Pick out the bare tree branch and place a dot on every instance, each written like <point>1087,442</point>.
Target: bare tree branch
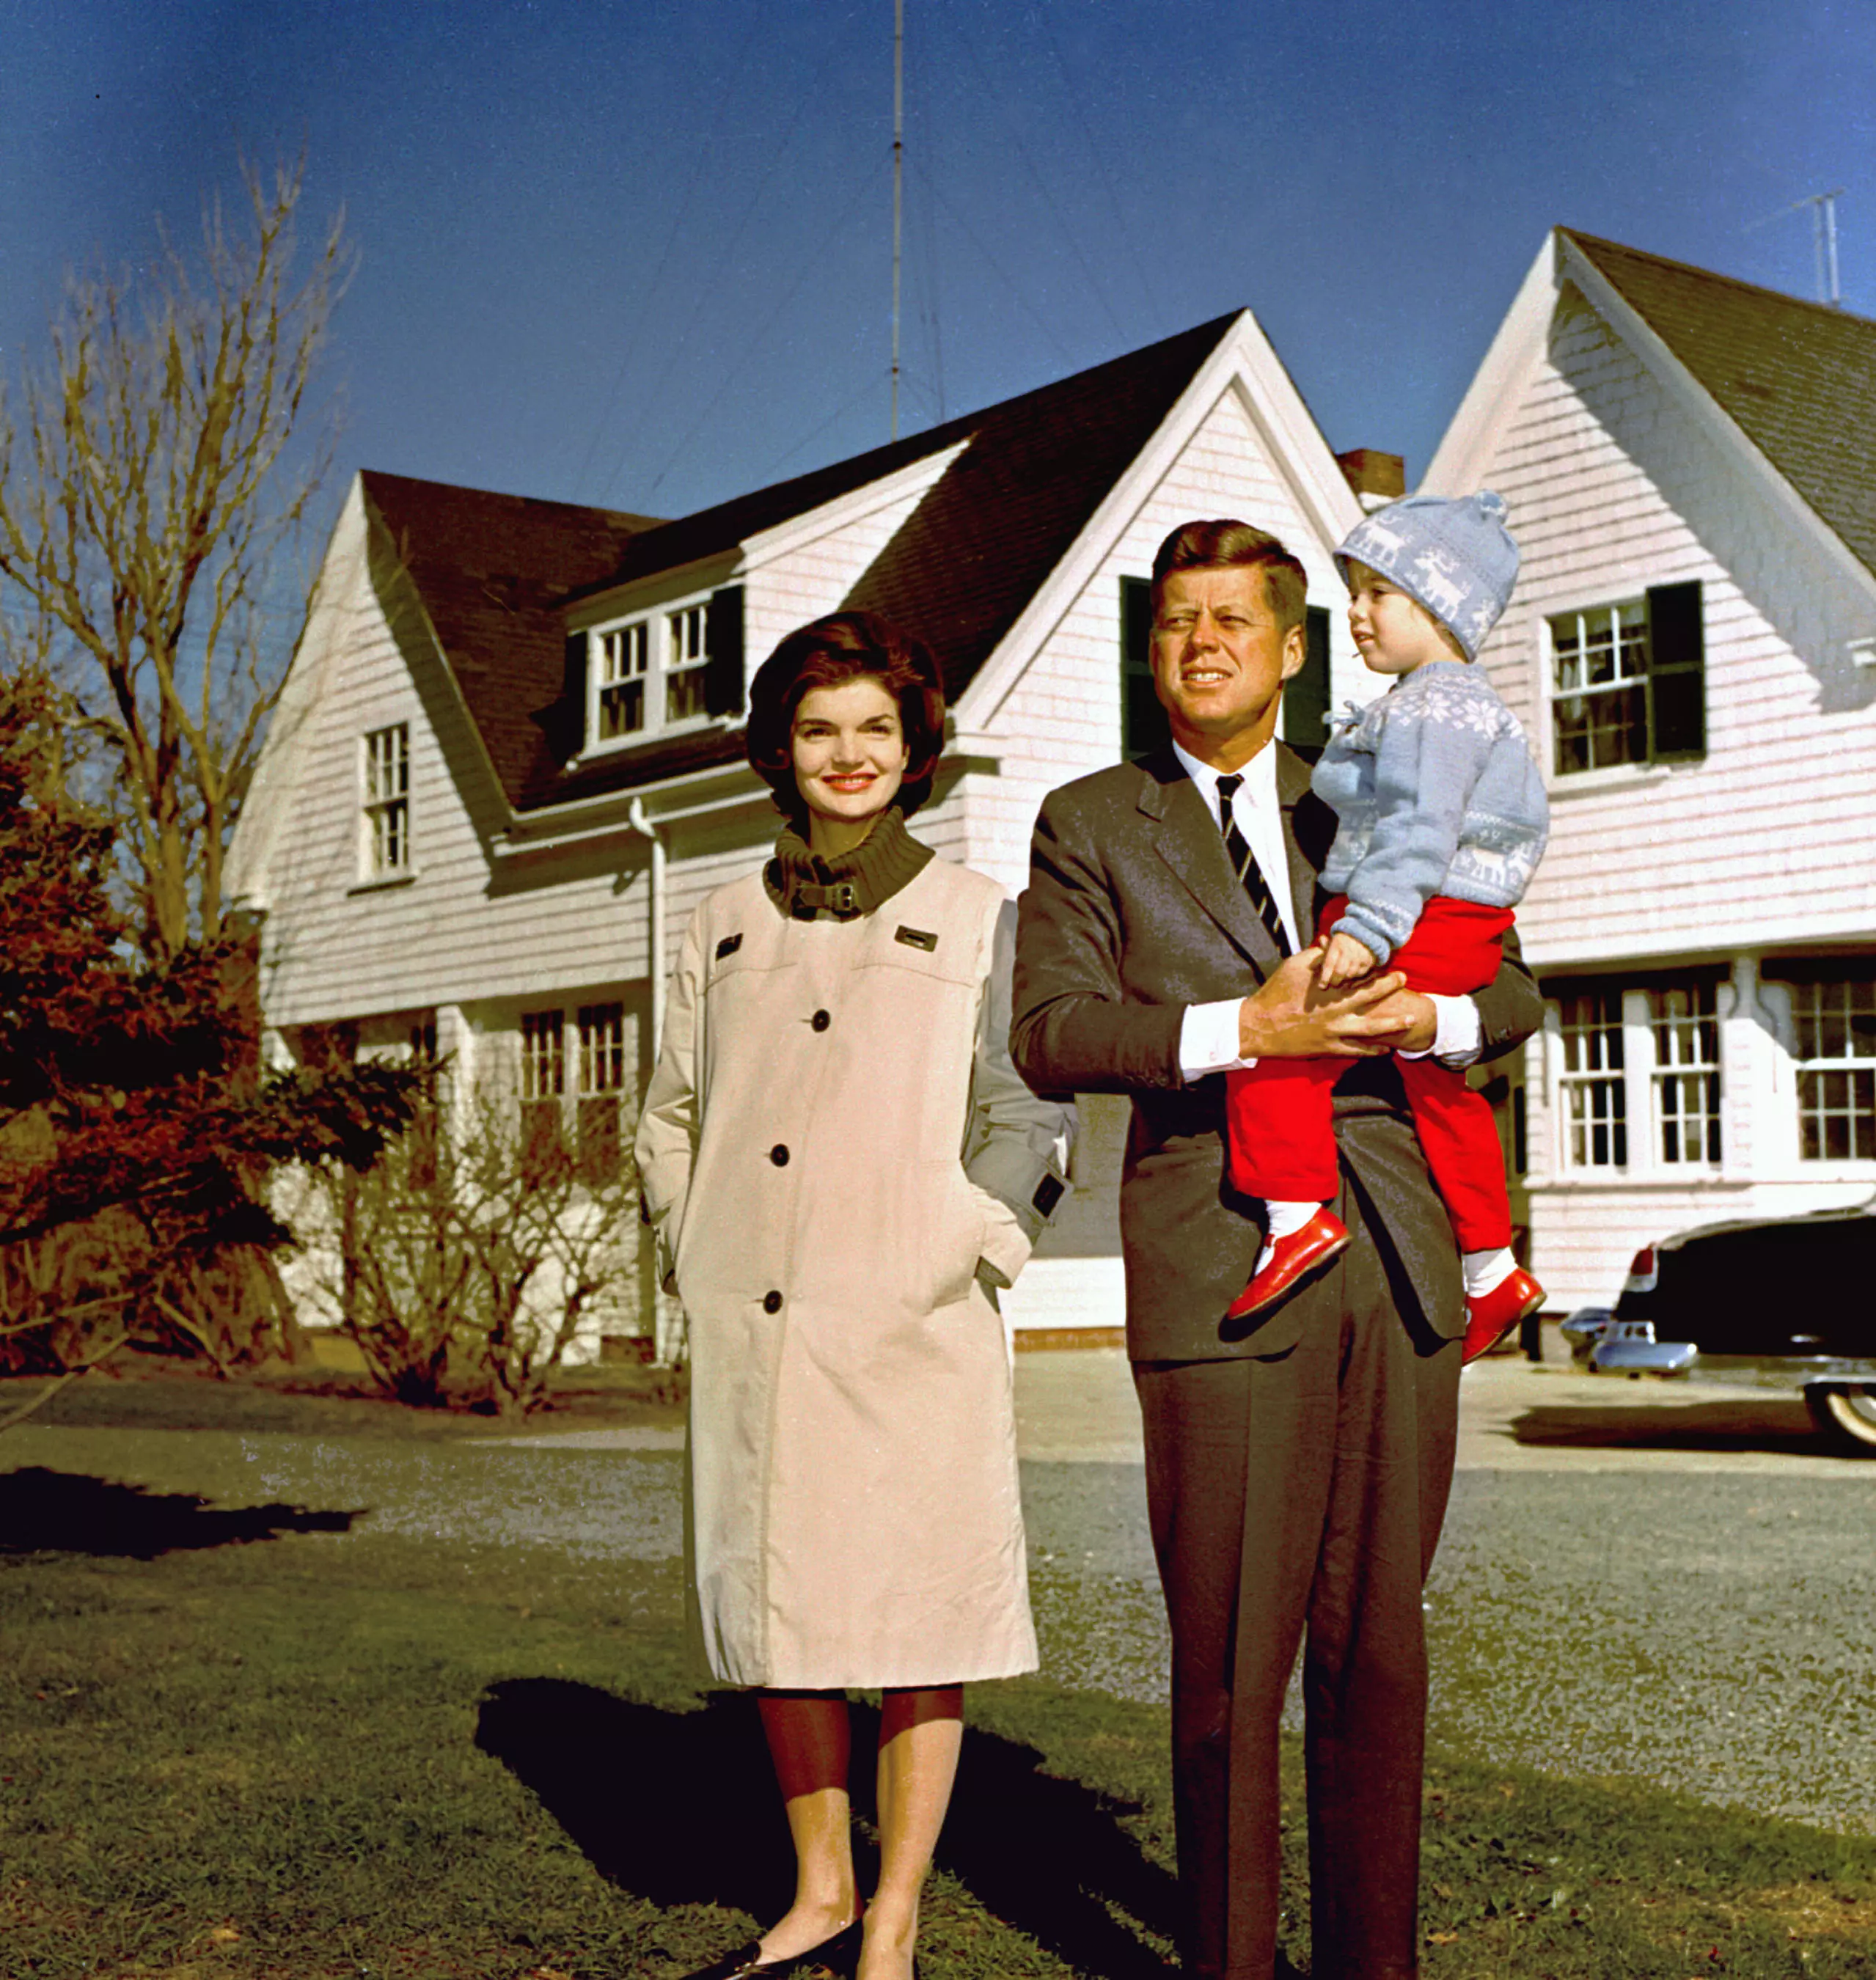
<point>151,490</point>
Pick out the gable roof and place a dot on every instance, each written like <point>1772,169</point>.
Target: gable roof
<point>1798,378</point>
<point>492,572</point>
<point>1007,510</point>
<point>496,572</point>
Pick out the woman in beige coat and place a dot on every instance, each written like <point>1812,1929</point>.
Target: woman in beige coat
<point>842,1166</point>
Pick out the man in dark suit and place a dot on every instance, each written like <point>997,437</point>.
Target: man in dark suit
<point>1299,1461</point>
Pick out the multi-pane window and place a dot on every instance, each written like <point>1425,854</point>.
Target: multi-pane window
<point>1685,1024</point>
<point>1595,1103</point>
<point>387,801</point>
<point>653,673</point>
<point>1835,1022</point>
<point>1599,685</point>
<point>602,1083</point>
<point>686,659</point>
<point>1627,681</point>
<point>621,658</point>
<point>543,1084</point>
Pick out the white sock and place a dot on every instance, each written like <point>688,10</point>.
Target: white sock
<point>1486,1270</point>
<point>1285,1217</point>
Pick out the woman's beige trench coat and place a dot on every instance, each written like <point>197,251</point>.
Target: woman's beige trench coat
<point>853,1515</point>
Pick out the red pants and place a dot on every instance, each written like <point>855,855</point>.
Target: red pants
<point>1278,1122</point>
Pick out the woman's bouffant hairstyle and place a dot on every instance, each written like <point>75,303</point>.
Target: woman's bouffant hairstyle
<point>828,653</point>
<point>1223,544</point>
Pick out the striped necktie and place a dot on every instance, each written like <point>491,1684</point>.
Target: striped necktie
<point>1244,864</point>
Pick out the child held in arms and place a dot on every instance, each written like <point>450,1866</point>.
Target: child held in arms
<point>1443,817</point>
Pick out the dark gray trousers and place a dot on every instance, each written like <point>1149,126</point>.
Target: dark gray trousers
<point>1298,1496</point>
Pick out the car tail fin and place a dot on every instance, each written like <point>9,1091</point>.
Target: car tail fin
<point>1643,1271</point>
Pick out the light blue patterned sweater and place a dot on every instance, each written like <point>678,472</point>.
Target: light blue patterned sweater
<point>1438,793</point>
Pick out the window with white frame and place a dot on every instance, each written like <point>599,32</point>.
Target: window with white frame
<point>1833,1017</point>
<point>1645,1057</point>
<point>651,673</point>
<point>385,838</point>
<point>1684,1020</point>
<point>1627,681</point>
<point>1598,665</point>
<point>620,657</point>
<point>543,1086</point>
<point>687,655</point>
<point>602,1086</point>
<point>1593,1090</point>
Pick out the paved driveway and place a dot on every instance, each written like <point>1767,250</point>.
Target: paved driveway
<point>1514,1416</point>
<point>1660,1580</point>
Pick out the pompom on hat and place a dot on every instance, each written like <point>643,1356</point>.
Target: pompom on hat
<point>1452,554</point>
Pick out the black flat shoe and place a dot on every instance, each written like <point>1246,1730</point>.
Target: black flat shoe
<point>838,1956</point>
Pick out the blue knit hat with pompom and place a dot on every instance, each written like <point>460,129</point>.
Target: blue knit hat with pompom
<point>1453,554</point>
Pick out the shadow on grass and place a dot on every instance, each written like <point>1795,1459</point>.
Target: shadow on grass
<point>681,1808</point>
<point>60,1512</point>
<point>1776,1423</point>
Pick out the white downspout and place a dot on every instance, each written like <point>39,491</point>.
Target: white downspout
<point>640,823</point>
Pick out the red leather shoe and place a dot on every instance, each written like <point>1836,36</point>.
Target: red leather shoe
<point>1492,1315</point>
<point>1293,1259</point>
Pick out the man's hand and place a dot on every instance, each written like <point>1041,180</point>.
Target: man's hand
<point>1292,1015</point>
<point>1415,1017</point>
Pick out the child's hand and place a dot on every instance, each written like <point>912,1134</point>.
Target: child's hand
<point>1345,960</point>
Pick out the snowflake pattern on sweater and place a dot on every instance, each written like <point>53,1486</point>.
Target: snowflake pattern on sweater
<point>1437,793</point>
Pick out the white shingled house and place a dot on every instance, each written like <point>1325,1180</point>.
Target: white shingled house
<point>1689,465</point>
<point>508,759</point>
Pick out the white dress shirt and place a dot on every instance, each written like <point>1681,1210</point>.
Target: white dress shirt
<point>1209,1035</point>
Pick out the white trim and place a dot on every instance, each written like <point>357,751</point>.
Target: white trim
<point>343,571</point>
<point>656,619</point>
<point>917,477</point>
<point>587,819</point>
<point>698,576</point>
<point>1242,362</point>
<point>1639,335</point>
<point>452,686</point>
<point>374,805</point>
<point>1497,391</point>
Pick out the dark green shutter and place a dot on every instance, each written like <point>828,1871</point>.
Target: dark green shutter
<point>723,687</point>
<point>573,691</point>
<point>1677,673</point>
<point>1306,693</point>
<point>1143,725</point>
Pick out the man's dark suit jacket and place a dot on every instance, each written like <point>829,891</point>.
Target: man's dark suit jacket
<point>1132,914</point>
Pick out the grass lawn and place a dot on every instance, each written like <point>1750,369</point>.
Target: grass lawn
<point>278,1746</point>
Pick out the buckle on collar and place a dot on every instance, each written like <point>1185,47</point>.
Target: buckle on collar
<point>842,899</point>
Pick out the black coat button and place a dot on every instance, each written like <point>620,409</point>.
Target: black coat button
<point>771,1302</point>
<point>820,1020</point>
<point>779,1154</point>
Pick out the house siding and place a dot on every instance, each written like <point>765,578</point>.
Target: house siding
<point>480,936</point>
<point>1062,720</point>
<point>1616,482</point>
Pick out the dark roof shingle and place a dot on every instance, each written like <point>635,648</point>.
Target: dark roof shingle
<point>1798,378</point>
<point>492,572</point>
<point>496,572</point>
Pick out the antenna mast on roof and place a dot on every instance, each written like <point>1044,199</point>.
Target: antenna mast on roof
<point>1824,239</point>
<point>898,168</point>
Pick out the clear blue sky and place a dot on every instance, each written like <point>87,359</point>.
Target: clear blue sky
<point>639,253</point>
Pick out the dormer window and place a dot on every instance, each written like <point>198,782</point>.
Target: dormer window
<point>620,682</point>
<point>674,668</point>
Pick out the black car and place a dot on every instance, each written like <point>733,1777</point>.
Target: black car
<point>1786,1302</point>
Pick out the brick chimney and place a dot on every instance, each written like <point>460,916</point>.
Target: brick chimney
<point>1376,478</point>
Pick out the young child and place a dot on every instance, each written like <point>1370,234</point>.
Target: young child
<point>1443,819</point>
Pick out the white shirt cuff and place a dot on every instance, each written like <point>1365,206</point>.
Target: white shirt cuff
<point>1458,1036</point>
<point>1208,1040</point>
